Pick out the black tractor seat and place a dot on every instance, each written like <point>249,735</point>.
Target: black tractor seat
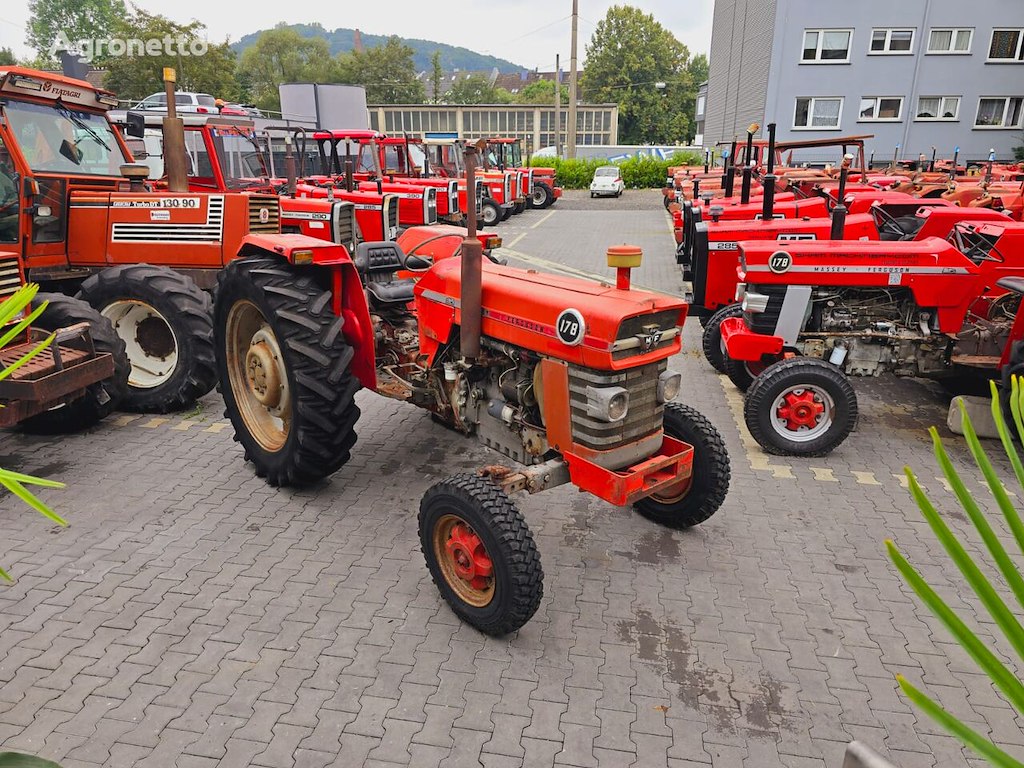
<point>378,263</point>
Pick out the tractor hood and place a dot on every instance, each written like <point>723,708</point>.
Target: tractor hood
<point>578,321</point>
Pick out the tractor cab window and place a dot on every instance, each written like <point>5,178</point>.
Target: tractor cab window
<point>9,202</point>
<point>56,139</point>
<point>394,159</point>
<point>200,166</point>
<point>240,157</point>
<point>515,155</point>
<point>365,159</point>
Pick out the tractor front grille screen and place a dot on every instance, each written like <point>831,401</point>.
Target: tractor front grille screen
<point>392,217</point>
<point>264,214</point>
<point>10,277</point>
<point>766,322</point>
<point>345,225</point>
<point>644,416</point>
<point>642,327</point>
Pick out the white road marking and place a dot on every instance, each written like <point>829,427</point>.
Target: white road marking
<point>758,459</point>
<point>823,475</point>
<point>864,478</point>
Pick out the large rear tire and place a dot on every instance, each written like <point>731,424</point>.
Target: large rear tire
<point>481,554</point>
<point>100,399</point>
<point>541,196</point>
<point>166,323</point>
<point>284,372</point>
<point>711,341</point>
<point>699,497</point>
<point>800,407</point>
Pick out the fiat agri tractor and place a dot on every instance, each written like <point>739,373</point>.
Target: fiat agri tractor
<point>565,378</point>
<point>814,313</point>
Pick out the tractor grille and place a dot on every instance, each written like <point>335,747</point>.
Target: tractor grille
<point>391,217</point>
<point>645,413</point>
<point>10,276</point>
<point>698,245</point>
<point>766,322</point>
<point>345,227</point>
<point>635,326</point>
<point>453,197</point>
<point>259,203</point>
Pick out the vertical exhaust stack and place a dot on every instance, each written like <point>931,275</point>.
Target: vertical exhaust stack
<point>952,171</point>
<point>174,139</point>
<point>730,171</point>
<point>349,182</point>
<point>696,190</point>
<point>839,212</point>
<point>472,269</point>
<point>931,165</point>
<point>291,170</point>
<point>748,164</point>
<point>768,207</point>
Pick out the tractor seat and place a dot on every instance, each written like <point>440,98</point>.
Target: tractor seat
<point>377,263</point>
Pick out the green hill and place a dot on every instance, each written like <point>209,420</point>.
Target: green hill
<point>452,57</point>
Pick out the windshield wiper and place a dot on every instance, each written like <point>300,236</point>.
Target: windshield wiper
<point>80,123</point>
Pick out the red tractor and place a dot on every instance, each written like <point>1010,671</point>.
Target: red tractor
<point>567,379</point>
<point>814,313</point>
<point>503,196</point>
<point>539,183</point>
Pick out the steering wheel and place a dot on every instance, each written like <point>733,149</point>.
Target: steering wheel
<point>886,222</point>
<point>976,249</point>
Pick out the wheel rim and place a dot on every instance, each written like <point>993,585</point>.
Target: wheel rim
<point>803,413</point>
<point>150,343</point>
<point>258,377</point>
<point>675,492</point>
<point>464,561</point>
<point>539,196</point>
<point>489,215</point>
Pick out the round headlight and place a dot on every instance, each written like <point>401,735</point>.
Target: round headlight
<point>669,384</point>
<point>618,406</point>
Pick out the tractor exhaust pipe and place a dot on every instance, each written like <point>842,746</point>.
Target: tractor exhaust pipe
<point>931,165</point>
<point>174,139</point>
<point>696,189</point>
<point>349,181</point>
<point>768,182</point>
<point>748,164</point>
<point>290,167</point>
<point>730,171</point>
<point>839,212</point>
<point>472,270</point>
<point>952,171</point>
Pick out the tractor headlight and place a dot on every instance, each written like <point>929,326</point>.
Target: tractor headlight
<point>669,383</point>
<point>754,302</point>
<point>607,403</point>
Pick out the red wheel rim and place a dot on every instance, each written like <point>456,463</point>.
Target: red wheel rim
<point>464,561</point>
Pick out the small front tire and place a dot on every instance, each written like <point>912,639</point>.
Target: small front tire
<point>481,554</point>
<point>490,213</point>
<point>711,340</point>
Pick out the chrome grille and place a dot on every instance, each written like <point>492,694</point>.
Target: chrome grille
<point>259,203</point>
<point>390,204</point>
<point>345,227</point>
<point>640,326</point>
<point>10,276</point>
<point>645,414</point>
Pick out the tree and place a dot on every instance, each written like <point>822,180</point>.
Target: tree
<point>53,21</point>
<point>634,61</point>
<point>477,89</point>
<point>436,76</point>
<point>7,57</point>
<point>386,71</point>
<point>135,77</point>
<point>282,55</point>
<point>542,92</point>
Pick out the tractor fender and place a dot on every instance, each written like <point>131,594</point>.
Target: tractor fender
<point>741,343</point>
<point>348,297</point>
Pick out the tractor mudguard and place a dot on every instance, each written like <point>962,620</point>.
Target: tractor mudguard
<point>741,343</point>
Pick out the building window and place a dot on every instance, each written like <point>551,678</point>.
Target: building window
<point>1006,45</point>
<point>938,108</point>
<point>950,40</point>
<point>891,40</point>
<point>817,113</point>
<point>700,104</point>
<point>874,108</point>
<point>999,112</point>
<point>827,46</point>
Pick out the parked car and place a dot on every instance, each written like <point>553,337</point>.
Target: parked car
<point>183,102</point>
<point>607,181</point>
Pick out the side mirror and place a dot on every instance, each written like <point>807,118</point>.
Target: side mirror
<point>29,187</point>
<point>135,125</point>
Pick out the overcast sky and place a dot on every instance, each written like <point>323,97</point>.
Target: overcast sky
<point>527,32</point>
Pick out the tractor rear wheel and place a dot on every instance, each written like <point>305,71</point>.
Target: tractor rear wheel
<point>541,195</point>
<point>284,370</point>
<point>490,213</point>
<point>711,341</point>
<point>697,498</point>
<point>800,407</point>
<point>518,208</point>
<point>100,399</point>
<point>481,554</point>
<point>166,323</point>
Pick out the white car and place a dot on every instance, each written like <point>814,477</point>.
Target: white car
<point>607,181</point>
<point>183,102</point>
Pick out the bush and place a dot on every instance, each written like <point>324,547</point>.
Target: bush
<point>640,172</point>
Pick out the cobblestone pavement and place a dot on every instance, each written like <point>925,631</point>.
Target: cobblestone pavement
<point>193,616</point>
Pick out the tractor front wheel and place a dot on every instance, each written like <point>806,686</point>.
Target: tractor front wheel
<point>100,399</point>
<point>711,341</point>
<point>541,195</point>
<point>481,554</point>
<point>694,500</point>
<point>284,370</point>
<point>490,213</point>
<point>166,323</point>
<point>800,407</point>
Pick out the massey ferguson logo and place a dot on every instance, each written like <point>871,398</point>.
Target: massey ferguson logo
<point>649,338</point>
<point>780,262</point>
<point>264,215</point>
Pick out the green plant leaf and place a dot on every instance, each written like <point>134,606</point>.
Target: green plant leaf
<point>15,304</point>
<point>19,327</point>
<point>28,356</point>
<point>1003,678</point>
<point>1011,450</point>
<point>1017,403</point>
<point>971,738</point>
<point>29,498</point>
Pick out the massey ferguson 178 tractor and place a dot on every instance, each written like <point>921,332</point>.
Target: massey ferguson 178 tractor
<point>567,379</point>
<point>814,313</point>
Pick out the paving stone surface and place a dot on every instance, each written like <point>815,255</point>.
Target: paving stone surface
<point>192,615</point>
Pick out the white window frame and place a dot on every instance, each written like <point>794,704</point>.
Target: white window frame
<point>939,118</point>
<point>821,38</point>
<point>1020,43</point>
<point>878,103</point>
<point>810,114</point>
<point>953,32</point>
<point>1006,105</point>
<point>888,41</point>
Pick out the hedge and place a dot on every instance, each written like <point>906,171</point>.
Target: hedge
<point>638,172</point>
